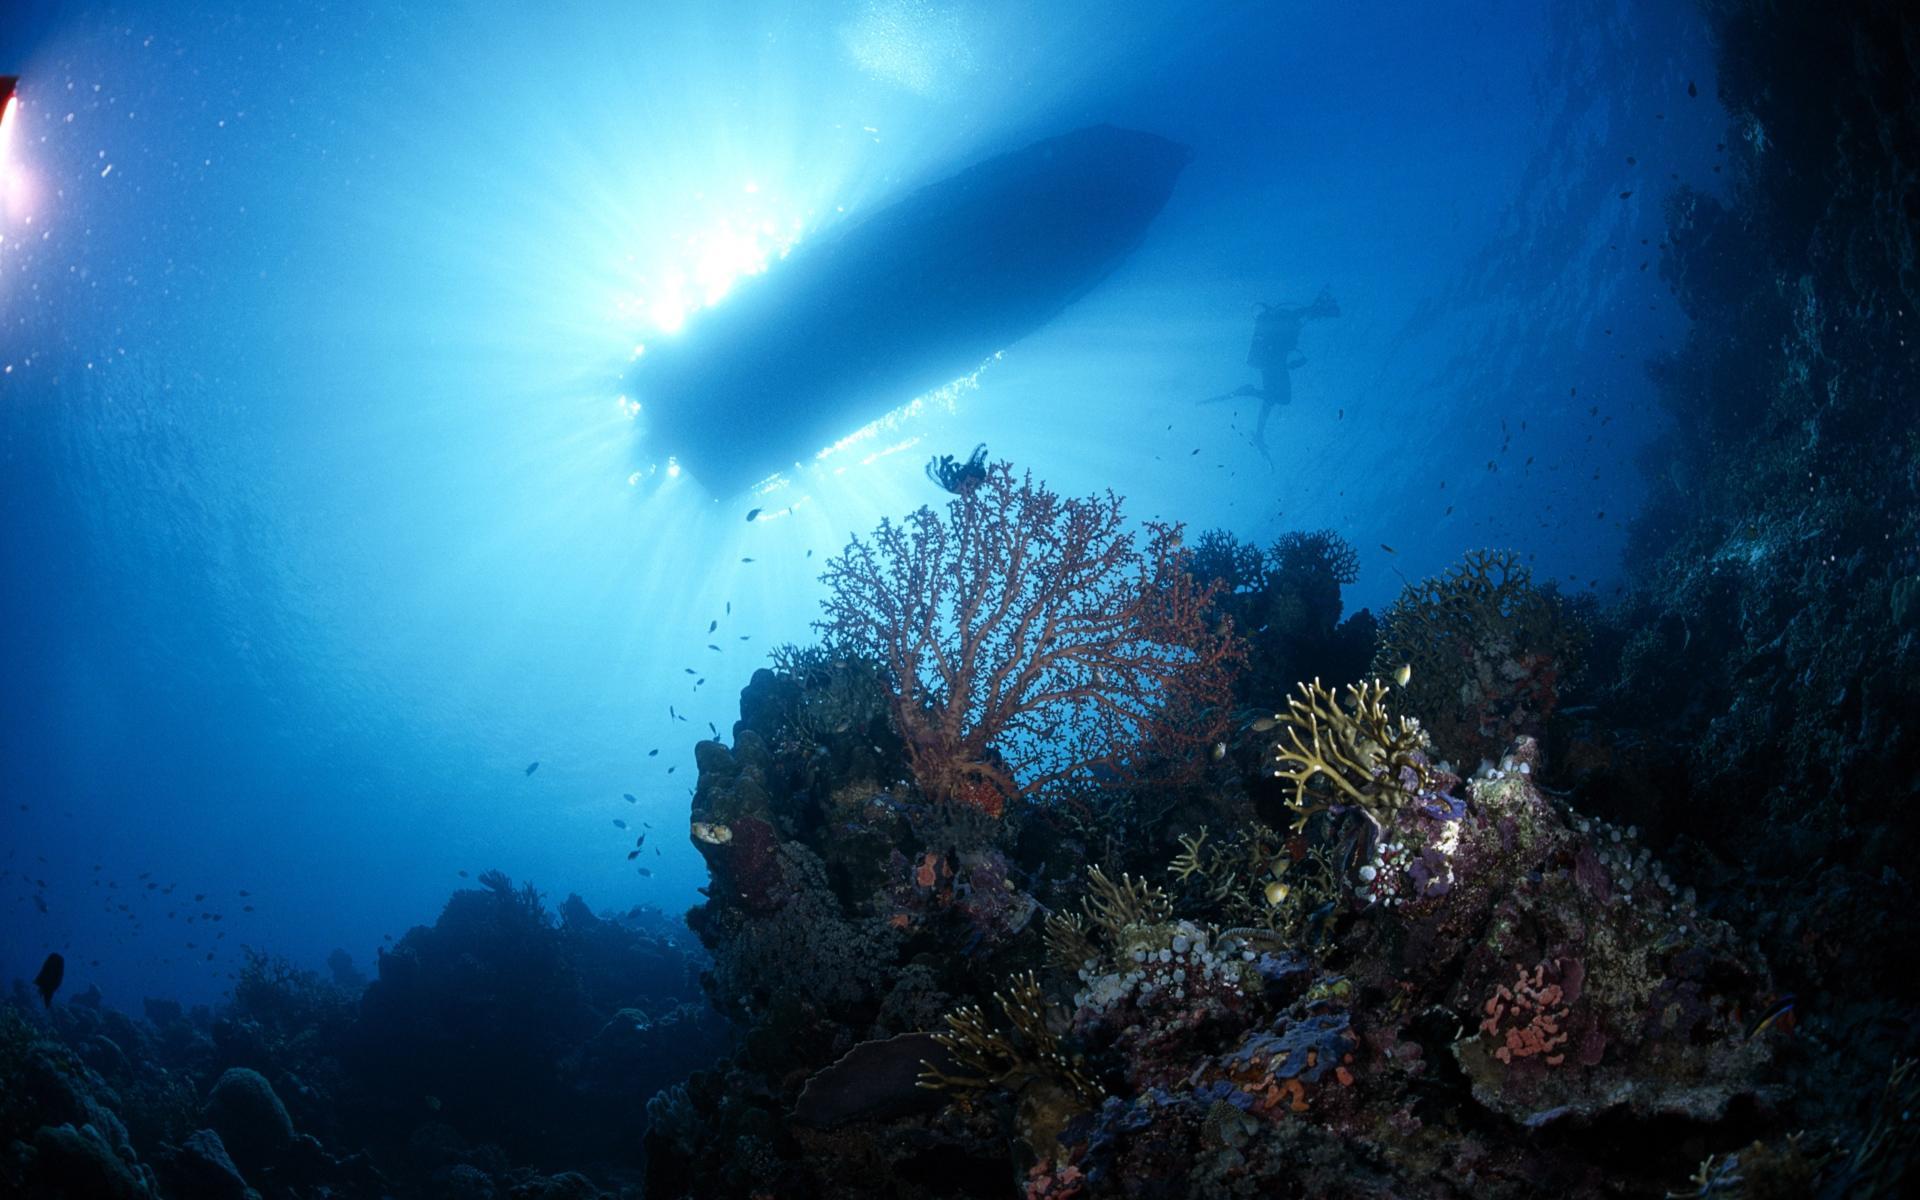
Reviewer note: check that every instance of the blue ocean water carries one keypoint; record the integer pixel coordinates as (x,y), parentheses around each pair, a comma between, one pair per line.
(327,506)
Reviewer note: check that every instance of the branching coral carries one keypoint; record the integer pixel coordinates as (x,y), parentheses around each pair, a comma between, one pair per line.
(838,693)
(1286,601)
(1218,556)
(1321,551)
(1068,946)
(990,1056)
(1361,756)
(1489,651)
(1114,906)
(1189,861)
(1252,879)
(1033,641)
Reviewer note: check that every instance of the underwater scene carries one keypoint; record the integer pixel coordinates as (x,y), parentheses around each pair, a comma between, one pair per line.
(865,599)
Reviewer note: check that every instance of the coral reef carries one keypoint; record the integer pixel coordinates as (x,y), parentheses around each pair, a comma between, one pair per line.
(1753,714)
(1031,641)
(416,1084)
(998,905)
(1489,652)
(1422,958)
(1285,602)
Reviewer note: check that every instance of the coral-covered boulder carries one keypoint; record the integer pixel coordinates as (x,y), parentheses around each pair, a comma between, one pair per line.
(200,1166)
(81,1164)
(252,1123)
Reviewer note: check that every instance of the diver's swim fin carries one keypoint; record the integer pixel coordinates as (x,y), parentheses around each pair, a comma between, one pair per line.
(1245,389)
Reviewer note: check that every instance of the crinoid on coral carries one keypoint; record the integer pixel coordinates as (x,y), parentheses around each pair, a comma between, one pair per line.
(1489,650)
(959,476)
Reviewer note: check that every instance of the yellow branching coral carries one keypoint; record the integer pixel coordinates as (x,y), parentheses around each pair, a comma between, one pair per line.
(1364,757)
(990,1056)
(1231,874)
(1114,906)
(1068,946)
(1189,862)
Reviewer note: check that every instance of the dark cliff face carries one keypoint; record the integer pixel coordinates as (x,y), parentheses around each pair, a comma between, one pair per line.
(1763,678)
(901,302)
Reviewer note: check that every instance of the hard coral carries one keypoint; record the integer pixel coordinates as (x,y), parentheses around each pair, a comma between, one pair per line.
(1489,651)
(1286,601)
(1357,753)
(1032,641)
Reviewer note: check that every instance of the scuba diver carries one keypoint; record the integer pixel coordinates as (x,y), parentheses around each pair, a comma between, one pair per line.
(1276,351)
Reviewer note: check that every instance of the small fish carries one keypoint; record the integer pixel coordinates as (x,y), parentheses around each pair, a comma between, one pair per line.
(711,646)
(656,852)
(632,854)
(715,729)
(654,753)
(809,553)
(463,874)
(619,824)
(1277,893)
(746,560)
(628,797)
(1219,751)
(1388,549)
(433,1103)
(647,871)
(641,842)
(48,980)
(1624,195)
(1780,1015)
(729,608)
(691,671)
(533,766)
(751,514)
(1402,673)
(671,713)
(713,625)
(713,833)
(1262,724)
(672,769)
(1691,89)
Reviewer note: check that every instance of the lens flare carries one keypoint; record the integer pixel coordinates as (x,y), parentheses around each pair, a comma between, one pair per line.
(13,181)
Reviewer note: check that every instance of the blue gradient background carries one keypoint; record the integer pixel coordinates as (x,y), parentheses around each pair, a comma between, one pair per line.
(318,523)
